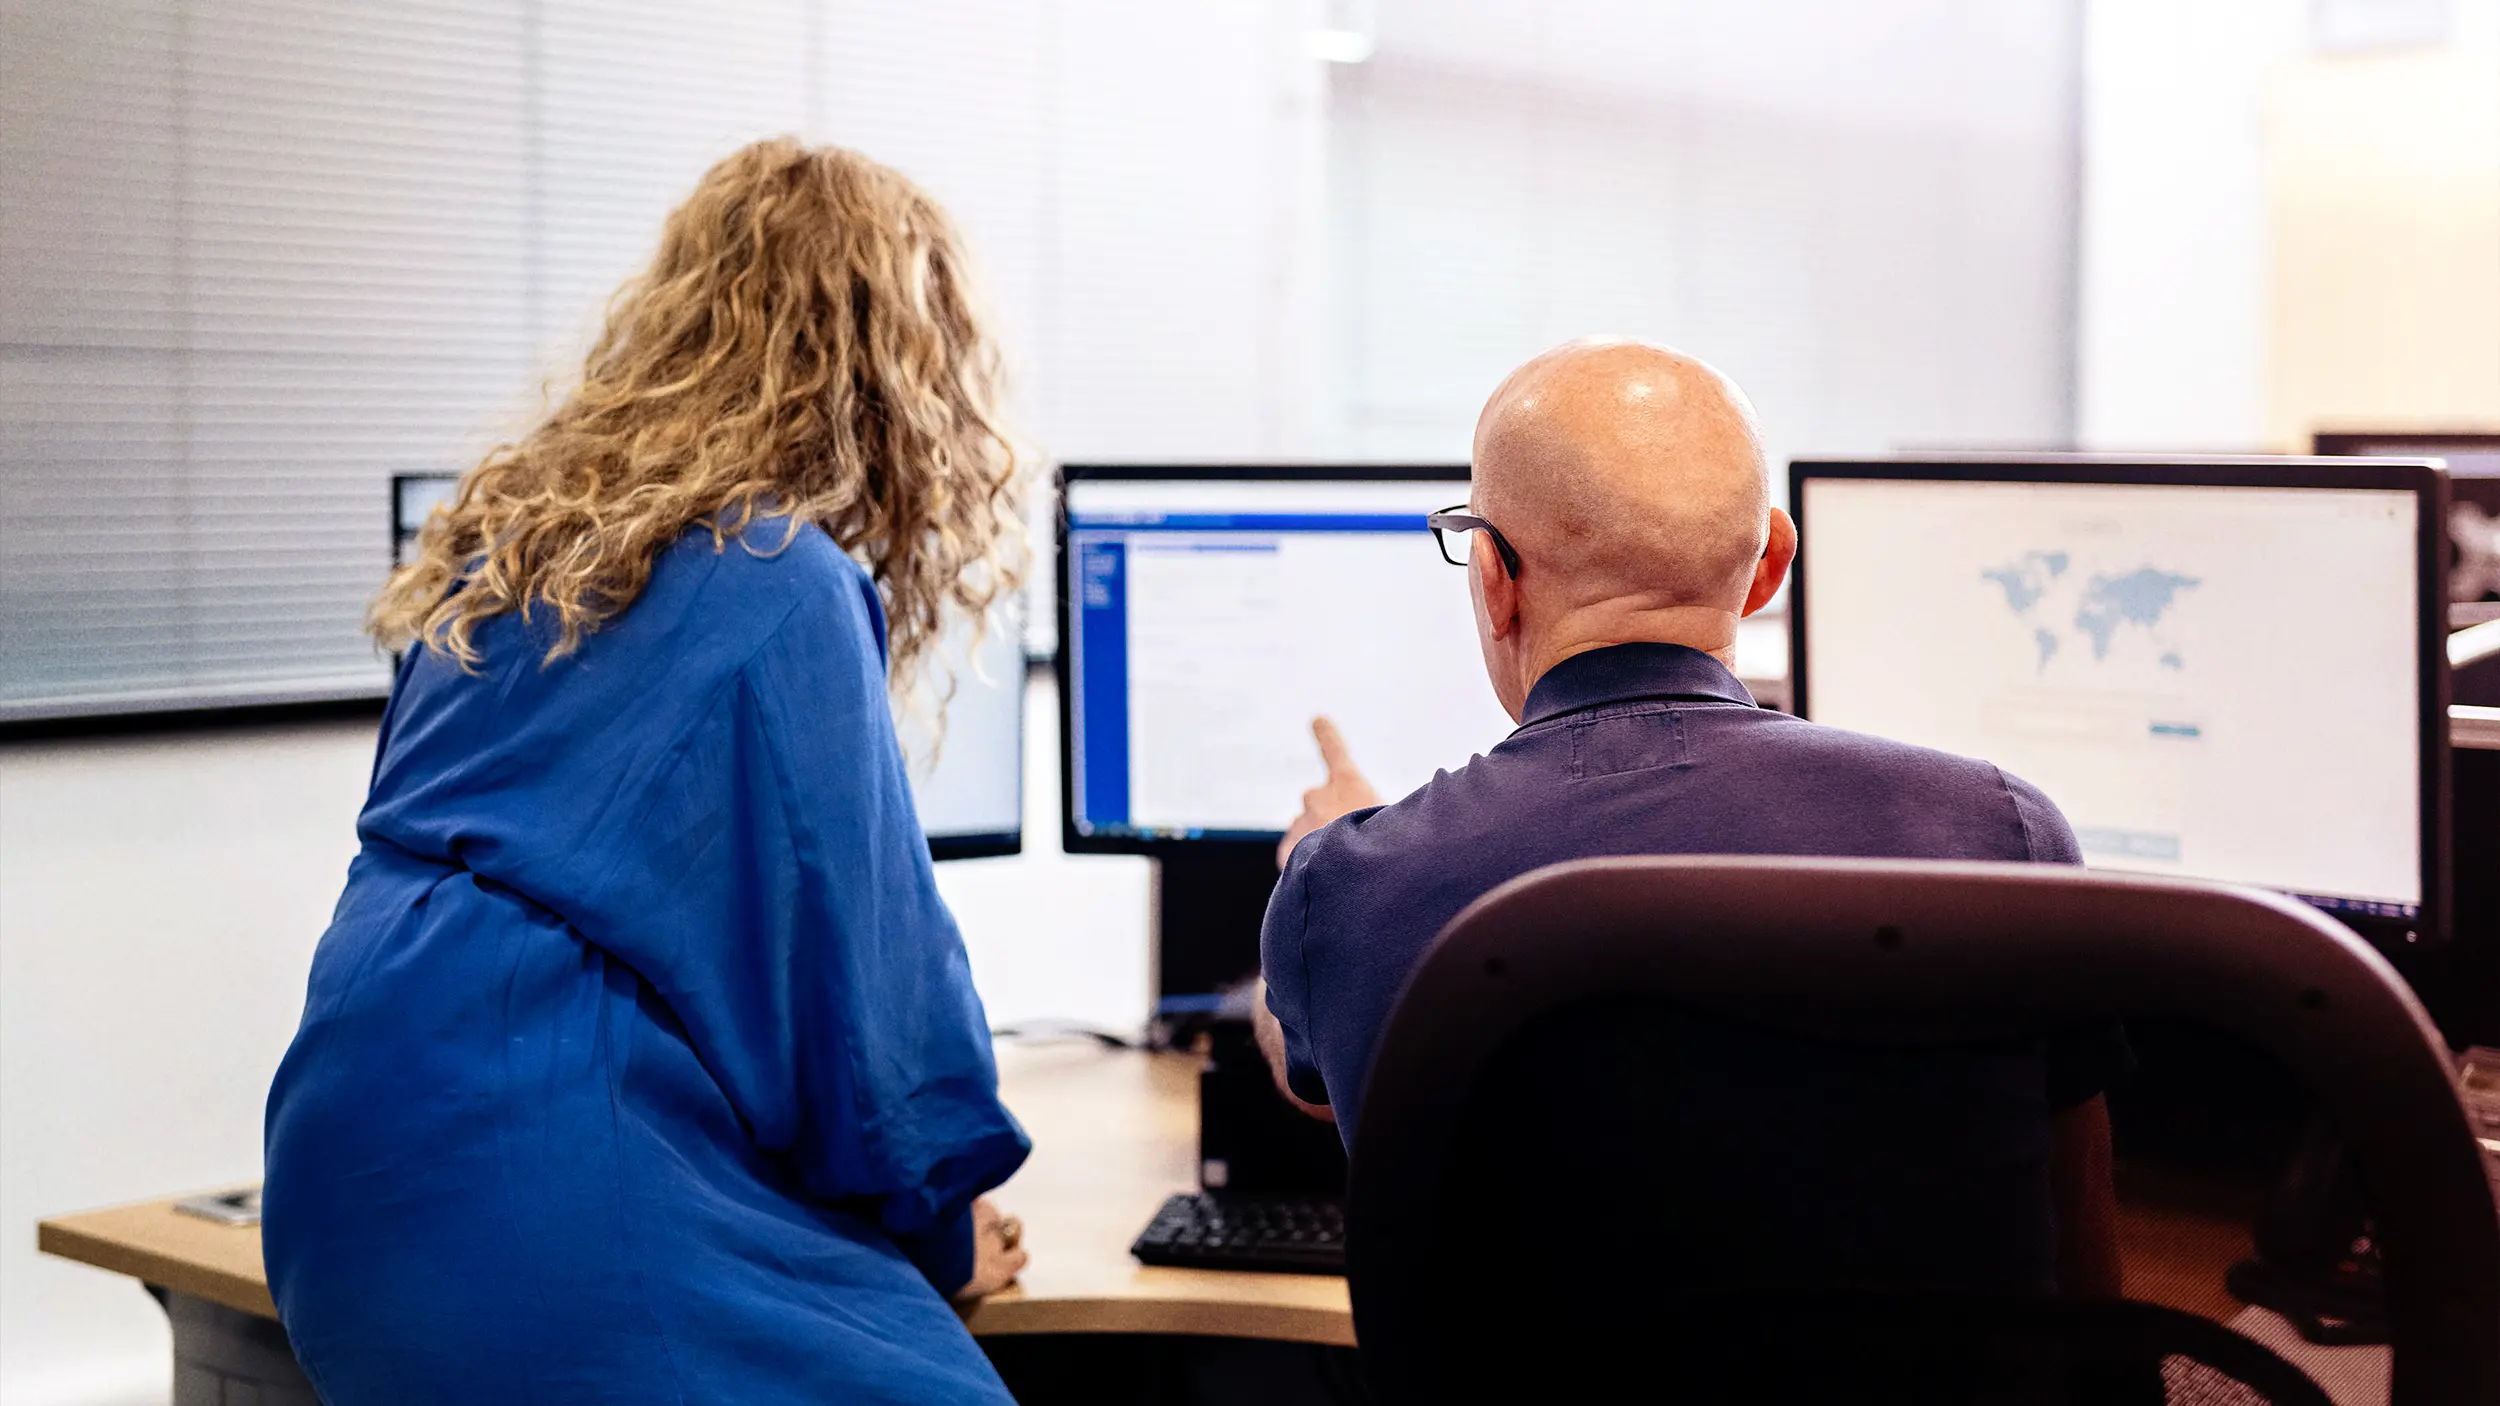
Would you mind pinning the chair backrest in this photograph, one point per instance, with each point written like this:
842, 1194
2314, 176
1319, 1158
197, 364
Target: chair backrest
1921, 954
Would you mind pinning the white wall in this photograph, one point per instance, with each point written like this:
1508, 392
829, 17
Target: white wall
2172, 327
2208, 125
2383, 216
1864, 213
159, 901
1138, 182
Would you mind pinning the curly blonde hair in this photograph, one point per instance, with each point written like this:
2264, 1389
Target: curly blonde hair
804, 344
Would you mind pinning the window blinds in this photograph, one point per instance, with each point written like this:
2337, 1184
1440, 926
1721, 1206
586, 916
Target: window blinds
262, 254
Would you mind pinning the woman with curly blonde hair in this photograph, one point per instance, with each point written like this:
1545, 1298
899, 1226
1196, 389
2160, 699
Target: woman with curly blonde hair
641, 1060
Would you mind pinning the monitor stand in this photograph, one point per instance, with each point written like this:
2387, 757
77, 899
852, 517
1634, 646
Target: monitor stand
1208, 909
1209, 901
1209, 904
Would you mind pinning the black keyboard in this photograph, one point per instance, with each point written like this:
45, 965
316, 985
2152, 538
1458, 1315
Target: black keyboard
1279, 1234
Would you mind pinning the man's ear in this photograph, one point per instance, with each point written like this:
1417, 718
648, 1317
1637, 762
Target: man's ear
1777, 553
1501, 594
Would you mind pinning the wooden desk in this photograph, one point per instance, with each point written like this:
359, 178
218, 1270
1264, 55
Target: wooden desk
156, 1244
1114, 1133
2181, 1235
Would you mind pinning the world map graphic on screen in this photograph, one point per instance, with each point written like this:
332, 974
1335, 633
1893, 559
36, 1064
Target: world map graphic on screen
2057, 600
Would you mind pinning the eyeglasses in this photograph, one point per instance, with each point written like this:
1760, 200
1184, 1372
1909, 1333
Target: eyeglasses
1455, 529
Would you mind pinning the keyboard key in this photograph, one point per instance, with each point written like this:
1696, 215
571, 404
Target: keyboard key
1230, 1231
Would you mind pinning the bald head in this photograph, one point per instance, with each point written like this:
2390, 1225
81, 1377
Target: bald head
1625, 471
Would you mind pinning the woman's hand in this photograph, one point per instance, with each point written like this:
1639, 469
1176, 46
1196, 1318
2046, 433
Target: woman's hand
997, 1252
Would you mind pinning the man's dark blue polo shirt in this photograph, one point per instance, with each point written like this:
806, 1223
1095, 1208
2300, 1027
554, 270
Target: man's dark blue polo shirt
1635, 749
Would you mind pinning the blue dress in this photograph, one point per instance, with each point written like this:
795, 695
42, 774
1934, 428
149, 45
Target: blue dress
641, 1060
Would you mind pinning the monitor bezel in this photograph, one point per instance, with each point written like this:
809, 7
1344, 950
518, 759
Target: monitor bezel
989, 845
403, 530
952, 845
2404, 939
2406, 444
1070, 840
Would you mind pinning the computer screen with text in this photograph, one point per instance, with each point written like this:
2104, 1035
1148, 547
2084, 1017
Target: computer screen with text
1210, 620
2214, 680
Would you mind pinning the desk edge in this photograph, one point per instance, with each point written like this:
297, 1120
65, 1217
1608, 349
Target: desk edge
1094, 1313
183, 1277
1182, 1317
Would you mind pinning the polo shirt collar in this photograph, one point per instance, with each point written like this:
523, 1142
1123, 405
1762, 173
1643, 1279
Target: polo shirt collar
1620, 673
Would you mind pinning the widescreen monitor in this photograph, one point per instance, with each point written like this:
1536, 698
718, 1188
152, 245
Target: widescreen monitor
1209, 614
2473, 460
2469, 454
2224, 669
968, 784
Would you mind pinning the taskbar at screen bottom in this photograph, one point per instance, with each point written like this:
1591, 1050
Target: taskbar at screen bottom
1179, 832
2358, 907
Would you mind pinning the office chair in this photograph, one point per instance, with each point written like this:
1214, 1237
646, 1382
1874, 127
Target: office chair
1470, 1278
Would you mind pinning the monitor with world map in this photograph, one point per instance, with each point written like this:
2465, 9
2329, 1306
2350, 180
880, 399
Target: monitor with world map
2226, 669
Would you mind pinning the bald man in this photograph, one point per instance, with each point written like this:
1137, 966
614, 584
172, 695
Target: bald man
1620, 525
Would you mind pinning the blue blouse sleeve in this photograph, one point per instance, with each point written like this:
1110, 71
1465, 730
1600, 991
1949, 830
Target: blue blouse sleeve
783, 905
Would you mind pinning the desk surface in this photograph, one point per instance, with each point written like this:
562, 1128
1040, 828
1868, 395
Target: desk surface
1113, 1134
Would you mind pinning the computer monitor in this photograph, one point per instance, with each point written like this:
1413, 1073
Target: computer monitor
2226, 669
2473, 459
967, 785
2470, 454
414, 497
1208, 614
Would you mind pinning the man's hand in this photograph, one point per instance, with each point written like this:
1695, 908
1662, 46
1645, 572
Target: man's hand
997, 1252
1344, 790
